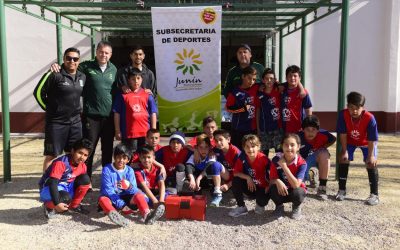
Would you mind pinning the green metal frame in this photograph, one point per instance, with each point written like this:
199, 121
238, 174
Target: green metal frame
268, 17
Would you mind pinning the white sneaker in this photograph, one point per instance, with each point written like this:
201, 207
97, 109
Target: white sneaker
372, 200
238, 211
259, 209
341, 195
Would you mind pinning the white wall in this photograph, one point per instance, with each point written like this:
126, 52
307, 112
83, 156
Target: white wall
367, 55
31, 49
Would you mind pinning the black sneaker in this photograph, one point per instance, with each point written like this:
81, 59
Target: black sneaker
156, 214
279, 212
296, 213
49, 213
118, 219
80, 210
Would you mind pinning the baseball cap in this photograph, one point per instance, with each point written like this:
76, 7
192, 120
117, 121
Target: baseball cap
245, 45
178, 135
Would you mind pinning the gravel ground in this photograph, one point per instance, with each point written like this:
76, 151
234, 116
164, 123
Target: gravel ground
328, 225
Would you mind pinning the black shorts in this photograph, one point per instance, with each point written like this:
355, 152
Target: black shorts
59, 137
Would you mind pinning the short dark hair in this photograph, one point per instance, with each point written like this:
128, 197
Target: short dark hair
249, 71
268, 71
293, 69
222, 132
134, 72
207, 120
72, 49
152, 131
291, 135
146, 150
135, 48
356, 99
310, 121
122, 149
83, 143
104, 44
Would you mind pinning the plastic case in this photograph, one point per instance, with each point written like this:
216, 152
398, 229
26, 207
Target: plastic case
186, 207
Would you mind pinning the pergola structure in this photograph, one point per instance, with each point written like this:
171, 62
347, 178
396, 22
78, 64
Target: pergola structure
273, 18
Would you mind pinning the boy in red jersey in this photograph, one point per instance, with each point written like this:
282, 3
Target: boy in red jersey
209, 126
152, 140
251, 176
314, 148
226, 154
287, 175
357, 128
242, 103
294, 106
134, 112
149, 178
173, 158
65, 182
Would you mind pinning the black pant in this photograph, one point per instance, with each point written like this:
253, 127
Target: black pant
95, 128
239, 186
296, 196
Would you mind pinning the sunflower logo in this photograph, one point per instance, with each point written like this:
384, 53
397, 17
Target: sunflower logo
188, 61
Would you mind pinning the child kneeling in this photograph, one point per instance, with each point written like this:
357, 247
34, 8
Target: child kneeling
119, 190
251, 176
207, 166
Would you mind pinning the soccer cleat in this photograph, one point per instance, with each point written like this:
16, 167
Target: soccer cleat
238, 211
341, 195
259, 209
80, 210
49, 213
321, 193
118, 219
279, 212
372, 200
217, 197
155, 215
313, 174
296, 212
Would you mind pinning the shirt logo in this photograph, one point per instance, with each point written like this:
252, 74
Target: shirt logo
355, 134
286, 114
272, 101
136, 108
65, 84
275, 114
81, 83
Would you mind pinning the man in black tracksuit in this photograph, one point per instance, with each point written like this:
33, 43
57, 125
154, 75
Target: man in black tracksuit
149, 81
59, 94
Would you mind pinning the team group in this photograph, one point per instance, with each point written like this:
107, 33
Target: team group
265, 115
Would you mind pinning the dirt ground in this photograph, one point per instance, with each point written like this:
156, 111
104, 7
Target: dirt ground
328, 225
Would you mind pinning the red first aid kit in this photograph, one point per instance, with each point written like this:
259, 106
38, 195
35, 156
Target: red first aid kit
186, 207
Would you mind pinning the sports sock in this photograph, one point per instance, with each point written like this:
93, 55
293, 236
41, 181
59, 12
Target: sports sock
79, 194
49, 205
139, 200
106, 205
373, 177
343, 172
322, 182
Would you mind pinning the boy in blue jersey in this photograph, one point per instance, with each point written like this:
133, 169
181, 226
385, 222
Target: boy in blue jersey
314, 148
120, 192
65, 182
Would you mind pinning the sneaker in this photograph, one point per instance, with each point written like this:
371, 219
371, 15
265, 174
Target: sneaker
279, 212
80, 210
313, 177
238, 211
321, 193
118, 219
49, 213
296, 212
155, 215
216, 200
372, 200
341, 195
259, 209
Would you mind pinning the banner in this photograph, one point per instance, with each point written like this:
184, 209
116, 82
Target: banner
187, 48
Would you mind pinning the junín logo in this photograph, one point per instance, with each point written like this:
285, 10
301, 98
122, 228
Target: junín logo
188, 62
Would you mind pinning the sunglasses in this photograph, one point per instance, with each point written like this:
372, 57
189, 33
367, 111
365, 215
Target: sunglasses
70, 58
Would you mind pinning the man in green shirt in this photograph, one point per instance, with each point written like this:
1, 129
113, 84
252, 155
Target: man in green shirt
234, 77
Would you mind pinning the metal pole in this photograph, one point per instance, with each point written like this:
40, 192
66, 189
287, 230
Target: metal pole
303, 50
280, 55
4, 96
342, 71
59, 39
93, 42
